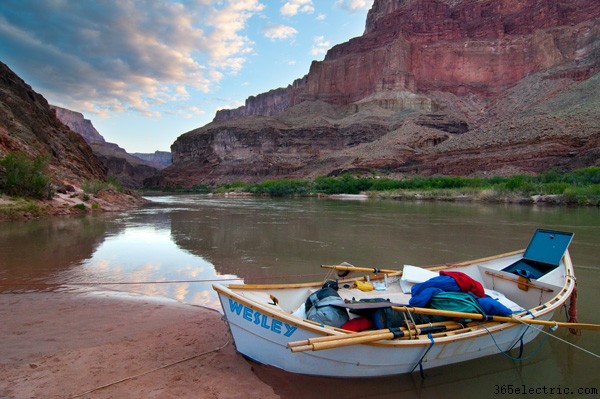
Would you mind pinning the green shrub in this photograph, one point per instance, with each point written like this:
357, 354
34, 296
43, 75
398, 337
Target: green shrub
589, 195
81, 207
21, 176
115, 184
93, 186
280, 188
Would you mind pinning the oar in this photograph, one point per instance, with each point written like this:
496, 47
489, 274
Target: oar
325, 338
501, 319
351, 268
358, 338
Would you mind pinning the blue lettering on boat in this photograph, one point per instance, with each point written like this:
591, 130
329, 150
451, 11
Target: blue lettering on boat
247, 313
276, 326
258, 318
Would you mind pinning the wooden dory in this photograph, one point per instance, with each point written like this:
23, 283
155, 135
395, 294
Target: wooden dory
263, 326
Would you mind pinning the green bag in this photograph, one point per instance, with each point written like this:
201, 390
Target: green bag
456, 302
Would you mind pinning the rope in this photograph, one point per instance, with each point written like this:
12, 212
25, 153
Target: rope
420, 363
520, 357
573, 311
164, 281
149, 371
564, 341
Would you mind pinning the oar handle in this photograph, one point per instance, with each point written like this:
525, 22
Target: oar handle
319, 346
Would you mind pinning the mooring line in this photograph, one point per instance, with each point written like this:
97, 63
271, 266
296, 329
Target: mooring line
163, 281
563, 340
150, 371
156, 368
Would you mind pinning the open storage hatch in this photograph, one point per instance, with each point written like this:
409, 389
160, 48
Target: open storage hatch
543, 254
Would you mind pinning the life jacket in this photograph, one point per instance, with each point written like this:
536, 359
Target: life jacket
323, 306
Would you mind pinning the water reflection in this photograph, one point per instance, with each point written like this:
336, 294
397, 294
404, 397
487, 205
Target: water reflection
34, 252
261, 240
144, 254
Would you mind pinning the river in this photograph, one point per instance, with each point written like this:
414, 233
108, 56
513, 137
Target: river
200, 239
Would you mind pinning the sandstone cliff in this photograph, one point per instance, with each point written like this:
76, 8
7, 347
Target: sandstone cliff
28, 124
129, 170
432, 87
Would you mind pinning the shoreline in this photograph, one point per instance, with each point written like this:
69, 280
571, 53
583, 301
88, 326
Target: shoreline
98, 345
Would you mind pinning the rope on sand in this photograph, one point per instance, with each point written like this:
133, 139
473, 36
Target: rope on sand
164, 366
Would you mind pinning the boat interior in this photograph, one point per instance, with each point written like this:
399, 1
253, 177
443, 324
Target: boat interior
520, 280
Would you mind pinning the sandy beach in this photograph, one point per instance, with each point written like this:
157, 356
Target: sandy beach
96, 345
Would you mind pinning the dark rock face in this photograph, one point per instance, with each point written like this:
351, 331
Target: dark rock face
28, 124
432, 87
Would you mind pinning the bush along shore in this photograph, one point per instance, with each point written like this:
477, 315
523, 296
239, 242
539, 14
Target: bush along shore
27, 191
580, 187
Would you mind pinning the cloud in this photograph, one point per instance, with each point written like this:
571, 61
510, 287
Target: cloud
115, 56
293, 7
320, 46
279, 32
354, 5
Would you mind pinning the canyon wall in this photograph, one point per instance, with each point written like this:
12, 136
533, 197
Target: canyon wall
29, 125
454, 87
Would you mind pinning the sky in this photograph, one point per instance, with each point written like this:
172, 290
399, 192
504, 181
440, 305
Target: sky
146, 71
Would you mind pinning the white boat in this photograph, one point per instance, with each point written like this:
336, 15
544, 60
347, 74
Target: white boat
262, 320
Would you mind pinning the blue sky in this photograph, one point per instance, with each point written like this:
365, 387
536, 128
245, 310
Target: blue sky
147, 71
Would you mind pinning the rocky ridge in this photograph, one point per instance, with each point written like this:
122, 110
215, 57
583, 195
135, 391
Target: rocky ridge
456, 87
29, 125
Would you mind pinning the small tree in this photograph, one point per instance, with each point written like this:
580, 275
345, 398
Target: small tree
22, 176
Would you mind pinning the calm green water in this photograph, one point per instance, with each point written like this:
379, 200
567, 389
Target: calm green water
263, 240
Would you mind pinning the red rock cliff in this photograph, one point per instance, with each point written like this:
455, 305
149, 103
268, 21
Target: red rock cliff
463, 47
455, 87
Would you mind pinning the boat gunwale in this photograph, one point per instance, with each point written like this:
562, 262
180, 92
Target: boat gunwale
451, 336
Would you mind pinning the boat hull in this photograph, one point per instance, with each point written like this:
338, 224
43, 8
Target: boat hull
263, 337
262, 321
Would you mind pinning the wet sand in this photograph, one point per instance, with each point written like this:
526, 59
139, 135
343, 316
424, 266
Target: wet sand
65, 345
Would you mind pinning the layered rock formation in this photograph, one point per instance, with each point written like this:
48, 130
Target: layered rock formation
157, 159
77, 123
457, 87
129, 170
28, 124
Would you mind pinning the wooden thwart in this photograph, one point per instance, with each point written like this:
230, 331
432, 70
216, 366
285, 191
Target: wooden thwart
519, 282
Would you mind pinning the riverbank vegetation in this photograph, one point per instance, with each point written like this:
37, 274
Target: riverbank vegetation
27, 191
576, 187
21, 176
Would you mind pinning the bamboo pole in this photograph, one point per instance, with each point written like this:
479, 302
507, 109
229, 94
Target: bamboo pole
501, 319
379, 335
